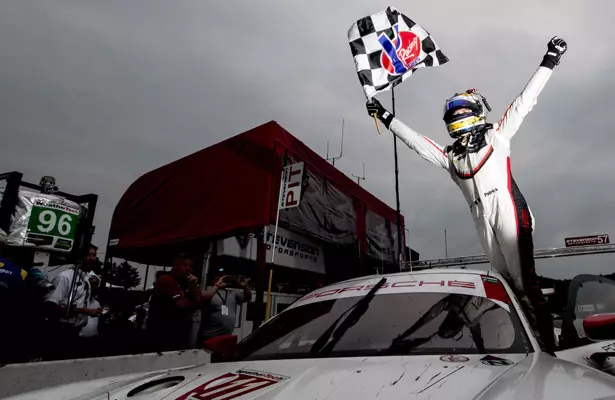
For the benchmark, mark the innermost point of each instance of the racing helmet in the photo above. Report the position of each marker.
(461, 124)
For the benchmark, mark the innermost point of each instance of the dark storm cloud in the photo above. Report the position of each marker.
(98, 93)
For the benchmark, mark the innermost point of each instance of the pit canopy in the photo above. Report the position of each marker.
(232, 188)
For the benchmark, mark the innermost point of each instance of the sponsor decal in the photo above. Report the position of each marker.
(587, 240)
(401, 53)
(398, 285)
(454, 358)
(494, 290)
(495, 361)
(290, 190)
(232, 385)
(471, 284)
(293, 247)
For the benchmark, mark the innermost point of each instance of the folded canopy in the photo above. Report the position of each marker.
(232, 188)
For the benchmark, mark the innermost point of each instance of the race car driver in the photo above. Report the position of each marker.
(478, 161)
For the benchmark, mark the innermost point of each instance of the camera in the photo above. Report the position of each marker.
(48, 185)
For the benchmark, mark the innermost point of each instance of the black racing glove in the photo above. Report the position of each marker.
(555, 49)
(374, 107)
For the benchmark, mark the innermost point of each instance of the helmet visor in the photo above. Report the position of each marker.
(460, 103)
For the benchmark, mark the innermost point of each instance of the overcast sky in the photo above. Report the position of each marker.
(96, 93)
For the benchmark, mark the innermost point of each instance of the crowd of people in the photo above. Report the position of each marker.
(41, 325)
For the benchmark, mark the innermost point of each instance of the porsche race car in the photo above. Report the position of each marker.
(434, 334)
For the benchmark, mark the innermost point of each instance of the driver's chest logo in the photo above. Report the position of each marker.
(232, 385)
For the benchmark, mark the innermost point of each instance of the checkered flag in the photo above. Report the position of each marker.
(388, 47)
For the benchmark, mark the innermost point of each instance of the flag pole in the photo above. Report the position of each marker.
(377, 124)
(399, 248)
(277, 218)
(275, 234)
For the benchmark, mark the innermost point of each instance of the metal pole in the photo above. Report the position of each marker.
(399, 252)
(145, 279)
(261, 265)
(445, 245)
(71, 292)
(206, 264)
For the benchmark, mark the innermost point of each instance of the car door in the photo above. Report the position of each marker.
(587, 295)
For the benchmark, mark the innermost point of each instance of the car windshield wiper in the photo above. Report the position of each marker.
(322, 346)
(451, 326)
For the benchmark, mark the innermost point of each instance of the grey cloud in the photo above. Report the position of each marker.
(98, 93)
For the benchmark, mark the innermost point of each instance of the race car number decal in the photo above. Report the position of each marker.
(232, 385)
(609, 347)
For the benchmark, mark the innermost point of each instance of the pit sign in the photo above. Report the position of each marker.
(290, 188)
(587, 240)
(52, 226)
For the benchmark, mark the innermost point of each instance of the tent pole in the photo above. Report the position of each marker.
(145, 279)
(268, 294)
(261, 265)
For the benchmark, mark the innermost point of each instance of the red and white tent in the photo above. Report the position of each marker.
(232, 188)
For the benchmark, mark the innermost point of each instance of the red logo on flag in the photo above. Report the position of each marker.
(407, 48)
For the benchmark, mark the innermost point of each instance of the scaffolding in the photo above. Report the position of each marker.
(482, 259)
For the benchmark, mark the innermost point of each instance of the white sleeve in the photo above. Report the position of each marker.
(523, 104)
(425, 147)
(59, 295)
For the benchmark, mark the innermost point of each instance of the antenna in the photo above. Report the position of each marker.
(334, 159)
(360, 178)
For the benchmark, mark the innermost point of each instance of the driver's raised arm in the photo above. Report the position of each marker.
(424, 146)
(527, 99)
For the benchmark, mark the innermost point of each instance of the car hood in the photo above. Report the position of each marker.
(534, 376)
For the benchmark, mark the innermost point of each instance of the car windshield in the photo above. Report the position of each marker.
(393, 324)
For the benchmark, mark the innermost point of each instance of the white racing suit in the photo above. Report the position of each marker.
(503, 219)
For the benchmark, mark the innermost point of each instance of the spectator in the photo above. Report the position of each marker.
(174, 299)
(13, 310)
(90, 339)
(66, 330)
(91, 328)
(220, 309)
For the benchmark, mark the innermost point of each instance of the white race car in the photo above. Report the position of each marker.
(436, 334)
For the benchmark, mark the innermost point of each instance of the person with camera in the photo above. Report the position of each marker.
(220, 303)
(175, 298)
